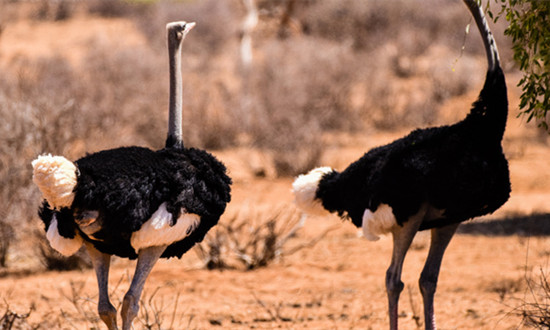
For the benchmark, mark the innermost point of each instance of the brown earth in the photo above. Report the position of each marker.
(336, 284)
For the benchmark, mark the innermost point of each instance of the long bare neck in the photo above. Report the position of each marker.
(489, 113)
(488, 40)
(175, 131)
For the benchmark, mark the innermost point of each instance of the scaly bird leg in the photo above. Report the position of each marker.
(428, 278)
(147, 258)
(101, 263)
(402, 239)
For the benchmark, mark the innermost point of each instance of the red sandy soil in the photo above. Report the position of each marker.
(337, 284)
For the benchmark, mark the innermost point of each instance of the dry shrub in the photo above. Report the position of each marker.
(208, 119)
(535, 310)
(40, 114)
(43, 106)
(156, 312)
(53, 10)
(114, 8)
(298, 148)
(247, 242)
(361, 24)
(506, 287)
(25, 131)
(252, 239)
(307, 78)
(368, 25)
(84, 306)
(7, 237)
(14, 320)
(409, 91)
(124, 96)
(299, 91)
(399, 43)
(14, 178)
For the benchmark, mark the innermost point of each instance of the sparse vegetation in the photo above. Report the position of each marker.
(506, 287)
(535, 309)
(155, 313)
(252, 240)
(14, 320)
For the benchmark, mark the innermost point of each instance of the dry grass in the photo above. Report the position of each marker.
(535, 307)
(14, 320)
(156, 311)
(253, 239)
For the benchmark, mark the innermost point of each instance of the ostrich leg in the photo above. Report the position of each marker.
(147, 258)
(402, 239)
(428, 278)
(101, 263)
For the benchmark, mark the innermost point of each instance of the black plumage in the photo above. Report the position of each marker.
(127, 185)
(460, 168)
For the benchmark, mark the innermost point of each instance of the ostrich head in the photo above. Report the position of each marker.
(56, 178)
(179, 30)
(305, 191)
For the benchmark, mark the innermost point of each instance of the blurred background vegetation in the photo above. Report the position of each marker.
(270, 75)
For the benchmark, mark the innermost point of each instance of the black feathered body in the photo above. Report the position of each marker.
(125, 186)
(459, 170)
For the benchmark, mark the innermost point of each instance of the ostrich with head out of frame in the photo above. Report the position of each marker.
(134, 202)
(433, 178)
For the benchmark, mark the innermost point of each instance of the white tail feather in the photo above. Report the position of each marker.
(305, 189)
(56, 178)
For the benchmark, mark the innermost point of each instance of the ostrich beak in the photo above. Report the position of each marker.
(189, 26)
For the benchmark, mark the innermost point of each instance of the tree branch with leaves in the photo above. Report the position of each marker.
(529, 28)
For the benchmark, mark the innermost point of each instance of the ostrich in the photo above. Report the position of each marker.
(433, 178)
(134, 202)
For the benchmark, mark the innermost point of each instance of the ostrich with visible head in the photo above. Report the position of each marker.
(432, 178)
(134, 202)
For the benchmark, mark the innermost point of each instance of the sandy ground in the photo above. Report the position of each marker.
(336, 284)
